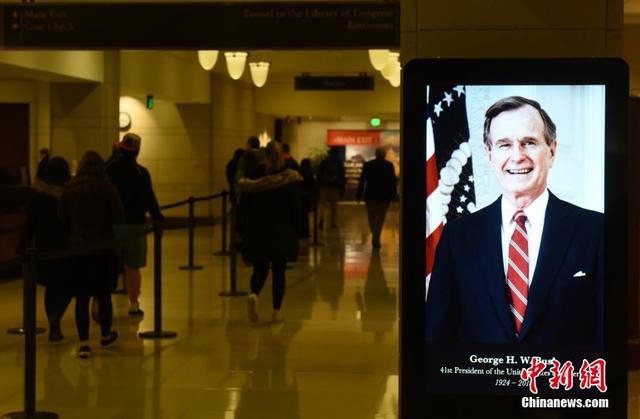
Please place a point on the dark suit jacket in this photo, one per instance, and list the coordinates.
(467, 299)
(380, 180)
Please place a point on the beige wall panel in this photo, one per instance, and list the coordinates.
(511, 14)
(176, 77)
(408, 15)
(42, 114)
(409, 43)
(63, 143)
(83, 65)
(615, 14)
(87, 112)
(614, 43)
(234, 119)
(485, 44)
(631, 54)
(182, 172)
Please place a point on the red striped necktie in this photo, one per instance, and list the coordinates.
(518, 270)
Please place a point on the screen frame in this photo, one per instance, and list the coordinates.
(417, 75)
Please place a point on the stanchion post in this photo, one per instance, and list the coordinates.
(27, 270)
(223, 251)
(157, 332)
(29, 319)
(191, 223)
(224, 222)
(233, 261)
(29, 326)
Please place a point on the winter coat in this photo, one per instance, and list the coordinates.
(43, 229)
(378, 180)
(133, 184)
(268, 217)
(90, 207)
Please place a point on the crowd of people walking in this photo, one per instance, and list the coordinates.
(99, 215)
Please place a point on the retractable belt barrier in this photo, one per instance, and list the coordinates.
(30, 260)
(192, 223)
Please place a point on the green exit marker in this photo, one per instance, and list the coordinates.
(375, 122)
(149, 101)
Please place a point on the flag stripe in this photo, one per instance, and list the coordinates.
(432, 175)
(432, 242)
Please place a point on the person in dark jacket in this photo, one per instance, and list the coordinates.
(267, 223)
(44, 230)
(378, 180)
(41, 172)
(90, 207)
(331, 181)
(133, 183)
(230, 173)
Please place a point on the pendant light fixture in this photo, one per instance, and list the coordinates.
(378, 58)
(235, 63)
(207, 59)
(259, 72)
(394, 79)
(393, 59)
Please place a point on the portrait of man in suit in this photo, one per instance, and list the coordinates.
(528, 268)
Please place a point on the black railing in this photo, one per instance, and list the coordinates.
(191, 224)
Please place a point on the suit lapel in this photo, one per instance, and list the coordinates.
(556, 238)
(489, 242)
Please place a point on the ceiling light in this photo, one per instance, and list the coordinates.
(390, 66)
(259, 72)
(207, 59)
(235, 63)
(394, 79)
(378, 58)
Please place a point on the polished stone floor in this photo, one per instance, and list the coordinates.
(335, 355)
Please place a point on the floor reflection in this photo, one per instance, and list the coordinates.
(334, 356)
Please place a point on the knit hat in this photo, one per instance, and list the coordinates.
(130, 142)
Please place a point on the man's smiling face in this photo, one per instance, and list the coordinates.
(519, 154)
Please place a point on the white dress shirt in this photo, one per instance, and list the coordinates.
(535, 213)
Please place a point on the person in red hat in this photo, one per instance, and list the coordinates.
(133, 183)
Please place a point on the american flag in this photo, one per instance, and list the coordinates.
(450, 184)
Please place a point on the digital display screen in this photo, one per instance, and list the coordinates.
(515, 245)
(514, 287)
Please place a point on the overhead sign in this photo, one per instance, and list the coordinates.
(201, 25)
(353, 137)
(334, 83)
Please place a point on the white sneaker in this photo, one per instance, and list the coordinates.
(252, 308)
